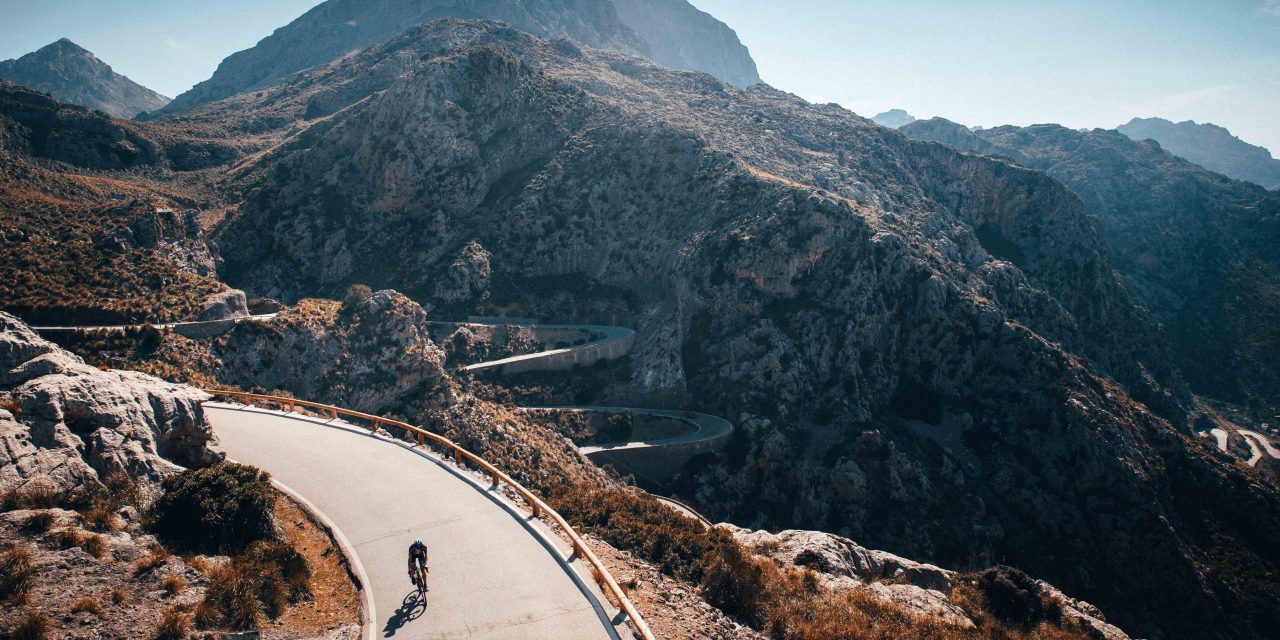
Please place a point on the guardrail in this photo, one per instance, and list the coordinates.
(539, 508)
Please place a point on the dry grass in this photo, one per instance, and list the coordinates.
(119, 596)
(33, 625)
(175, 625)
(86, 605)
(11, 404)
(37, 495)
(155, 558)
(782, 603)
(173, 585)
(202, 564)
(66, 537)
(39, 522)
(100, 517)
(94, 545)
(17, 575)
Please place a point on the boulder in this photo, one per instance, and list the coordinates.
(841, 557)
(224, 305)
(66, 424)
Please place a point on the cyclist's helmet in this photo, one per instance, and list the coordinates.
(417, 542)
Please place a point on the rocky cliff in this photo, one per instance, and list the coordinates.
(65, 425)
(926, 351)
(1209, 146)
(672, 31)
(1201, 250)
(75, 75)
(681, 36)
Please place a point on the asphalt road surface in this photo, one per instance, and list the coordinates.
(494, 574)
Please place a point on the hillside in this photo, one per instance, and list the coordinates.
(1200, 249)
(898, 329)
(671, 31)
(73, 74)
(1209, 146)
(84, 236)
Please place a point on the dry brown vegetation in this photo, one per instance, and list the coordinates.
(86, 604)
(175, 625)
(53, 264)
(32, 625)
(783, 603)
(16, 575)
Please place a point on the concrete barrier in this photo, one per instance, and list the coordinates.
(656, 461)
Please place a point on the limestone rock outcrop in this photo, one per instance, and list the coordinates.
(922, 588)
(66, 424)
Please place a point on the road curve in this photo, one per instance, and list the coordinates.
(706, 427)
(615, 340)
(495, 573)
(1256, 441)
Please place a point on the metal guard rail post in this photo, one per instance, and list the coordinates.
(539, 507)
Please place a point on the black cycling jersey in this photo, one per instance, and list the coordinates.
(418, 552)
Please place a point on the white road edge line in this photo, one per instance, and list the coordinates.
(368, 611)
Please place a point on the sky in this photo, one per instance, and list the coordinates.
(1082, 63)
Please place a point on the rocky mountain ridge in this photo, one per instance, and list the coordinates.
(899, 329)
(73, 74)
(1200, 249)
(1210, 146)
(671, 31)
(926, 351)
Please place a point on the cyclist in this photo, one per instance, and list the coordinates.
(418, 563)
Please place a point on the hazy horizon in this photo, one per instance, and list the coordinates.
(1079, 64)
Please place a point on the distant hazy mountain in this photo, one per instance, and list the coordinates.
(681, 36)
(671, 32)
(894, 118)
(73, 74)
(1209, 146)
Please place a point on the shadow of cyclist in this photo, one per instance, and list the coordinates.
(410, 609)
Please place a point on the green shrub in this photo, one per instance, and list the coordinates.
(218, 509)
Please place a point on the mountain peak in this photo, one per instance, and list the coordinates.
(1210, 146)
(74, 74)
(893, 118)
(671, 32)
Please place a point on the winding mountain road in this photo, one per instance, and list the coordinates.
(1256, 441)
(166, 325)
(495, 572)
(706, 427)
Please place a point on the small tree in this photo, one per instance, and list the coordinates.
(357, 294)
